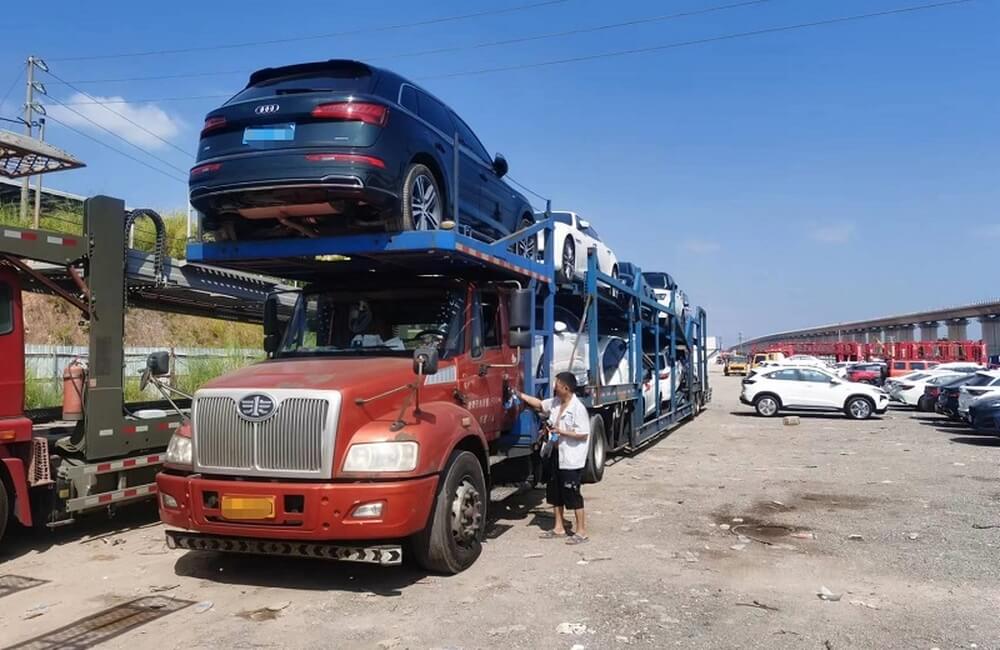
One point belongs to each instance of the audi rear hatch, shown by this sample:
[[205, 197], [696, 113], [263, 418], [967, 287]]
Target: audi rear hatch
[[321, 106]]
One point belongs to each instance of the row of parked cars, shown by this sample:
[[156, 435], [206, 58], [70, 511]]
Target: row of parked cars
[[330, 147], [962, 393]]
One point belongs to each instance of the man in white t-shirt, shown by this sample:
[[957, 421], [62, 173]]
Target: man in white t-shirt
[[569, 430]]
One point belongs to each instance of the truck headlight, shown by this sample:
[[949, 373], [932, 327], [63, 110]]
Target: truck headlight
[[179, 452], [382, 457]]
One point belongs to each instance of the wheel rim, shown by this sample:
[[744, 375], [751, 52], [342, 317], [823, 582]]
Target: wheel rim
[[466, 514], [425, 203], [767, 406], [527, 247], [568, 260], [860, 409]]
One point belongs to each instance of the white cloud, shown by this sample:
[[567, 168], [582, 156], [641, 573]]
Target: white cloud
[[701, 247], [835, 233], [151, 117]]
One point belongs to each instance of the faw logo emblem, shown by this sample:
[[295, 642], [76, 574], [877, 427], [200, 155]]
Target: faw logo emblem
[[256, 407], [266, 109]]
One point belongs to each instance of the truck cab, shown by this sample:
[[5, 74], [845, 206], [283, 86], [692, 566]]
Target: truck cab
[[376, 413]]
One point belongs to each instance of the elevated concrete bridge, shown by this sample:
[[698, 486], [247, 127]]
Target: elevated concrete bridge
[[919, 326]]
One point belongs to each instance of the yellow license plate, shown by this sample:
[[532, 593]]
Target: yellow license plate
[[236, 507]]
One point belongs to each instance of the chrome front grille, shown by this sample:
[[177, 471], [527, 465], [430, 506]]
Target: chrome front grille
[[296, 441]]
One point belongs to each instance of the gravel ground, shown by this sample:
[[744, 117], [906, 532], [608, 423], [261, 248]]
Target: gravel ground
[[720, 536]]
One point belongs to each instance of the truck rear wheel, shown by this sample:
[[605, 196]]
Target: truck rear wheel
[[453, 538], [593, 471]]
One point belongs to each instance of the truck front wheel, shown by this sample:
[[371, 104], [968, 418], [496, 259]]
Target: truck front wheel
[[453, 538], [4, 507]]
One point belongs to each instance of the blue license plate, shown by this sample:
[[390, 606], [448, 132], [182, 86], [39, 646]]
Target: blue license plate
[[269, 133]]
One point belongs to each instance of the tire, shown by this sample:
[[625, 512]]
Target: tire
[[4, 508], [446, 548], [422, 204], [767, 405], [529, 247], [597, 448], [568, 260], [859, 408]]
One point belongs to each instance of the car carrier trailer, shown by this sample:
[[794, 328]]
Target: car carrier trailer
[[365, 455], [107, 452]]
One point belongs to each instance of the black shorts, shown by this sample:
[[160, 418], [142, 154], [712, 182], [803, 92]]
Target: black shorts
[[563, 489]]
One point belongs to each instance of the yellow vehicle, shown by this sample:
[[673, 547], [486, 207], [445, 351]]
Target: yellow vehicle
[[761, 358], [736, 364]]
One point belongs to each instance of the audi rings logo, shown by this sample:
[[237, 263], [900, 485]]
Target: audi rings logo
[[267, 109], [256, 407]]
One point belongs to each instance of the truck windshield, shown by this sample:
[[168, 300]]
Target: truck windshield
[[390, 322]]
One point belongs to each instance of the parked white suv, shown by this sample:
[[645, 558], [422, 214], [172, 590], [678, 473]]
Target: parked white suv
[[806, 388]]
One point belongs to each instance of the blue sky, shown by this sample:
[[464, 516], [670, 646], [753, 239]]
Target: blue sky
[[789, 179]]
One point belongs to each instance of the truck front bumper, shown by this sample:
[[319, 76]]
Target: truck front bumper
[[301, 512], [384, 554]]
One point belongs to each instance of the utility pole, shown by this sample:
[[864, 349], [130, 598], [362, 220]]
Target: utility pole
[[38, 182], [29, 98], [30, 108]]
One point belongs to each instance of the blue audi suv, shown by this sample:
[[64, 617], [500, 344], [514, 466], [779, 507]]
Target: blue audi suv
[[337, 146]]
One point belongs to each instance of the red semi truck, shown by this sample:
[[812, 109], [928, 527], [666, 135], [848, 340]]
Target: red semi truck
[[383, 419]]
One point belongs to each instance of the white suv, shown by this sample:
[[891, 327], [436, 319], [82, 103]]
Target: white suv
[[804, 388]]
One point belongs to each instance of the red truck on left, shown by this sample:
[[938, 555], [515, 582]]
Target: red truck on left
[[97, 451]]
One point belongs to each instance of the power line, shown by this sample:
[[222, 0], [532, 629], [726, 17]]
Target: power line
[[701, 41], [461, 48], [296, 39], [185, 98], [12, 84], [117, 150], [581, 30], [123, 139], [618, 53], [124, 117]]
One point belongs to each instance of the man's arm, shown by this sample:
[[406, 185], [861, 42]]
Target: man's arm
[[531, 401]]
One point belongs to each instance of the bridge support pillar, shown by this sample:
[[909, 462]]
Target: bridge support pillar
[[958, 329], [929, 331], [904, 333], [991, 334]]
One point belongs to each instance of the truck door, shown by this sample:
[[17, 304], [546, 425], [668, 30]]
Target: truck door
[[11, 347], [482, 384]]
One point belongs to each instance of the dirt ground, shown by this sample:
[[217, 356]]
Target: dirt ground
[[720, 536]]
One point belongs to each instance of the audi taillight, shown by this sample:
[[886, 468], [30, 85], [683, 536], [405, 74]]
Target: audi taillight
[[374, 114], [213, 123], [206, 169], [346, 158]]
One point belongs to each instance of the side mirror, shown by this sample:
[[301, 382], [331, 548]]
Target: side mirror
[[520, 318], [836, 382], [271, 343], [500, 167], [272, 326], [425, 360], [158, 364], [559, 327], [584, 224]]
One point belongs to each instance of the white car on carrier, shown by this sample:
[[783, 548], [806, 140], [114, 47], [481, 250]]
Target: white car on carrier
[[572, 237], [806, 388]]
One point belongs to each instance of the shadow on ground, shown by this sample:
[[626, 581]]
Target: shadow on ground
[[90, 529], [984, 441]]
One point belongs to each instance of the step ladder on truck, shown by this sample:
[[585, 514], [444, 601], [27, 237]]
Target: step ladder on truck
[[383, 421], [97, 451]]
